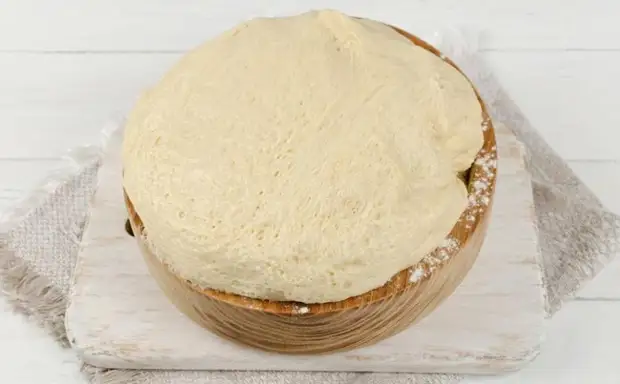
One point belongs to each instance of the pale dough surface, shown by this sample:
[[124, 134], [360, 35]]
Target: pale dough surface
[[306, 158]]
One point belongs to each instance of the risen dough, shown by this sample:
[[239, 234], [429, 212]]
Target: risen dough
[[306, 158]]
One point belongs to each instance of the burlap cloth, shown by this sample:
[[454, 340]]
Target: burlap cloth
[[40, 238]]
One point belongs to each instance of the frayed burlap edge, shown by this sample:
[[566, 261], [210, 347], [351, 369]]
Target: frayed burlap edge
[[32, 295], [28, 292], [113, 376]]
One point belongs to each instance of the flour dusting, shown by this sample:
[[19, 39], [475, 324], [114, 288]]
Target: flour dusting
[[483, 174], [300, 310]]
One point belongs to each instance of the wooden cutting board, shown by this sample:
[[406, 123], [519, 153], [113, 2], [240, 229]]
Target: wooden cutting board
[[494, 322]]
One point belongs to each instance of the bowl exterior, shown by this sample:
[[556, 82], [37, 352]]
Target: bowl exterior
[[298, 328], [315, 333]]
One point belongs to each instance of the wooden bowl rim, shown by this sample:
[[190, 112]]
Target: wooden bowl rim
[[401, 280]]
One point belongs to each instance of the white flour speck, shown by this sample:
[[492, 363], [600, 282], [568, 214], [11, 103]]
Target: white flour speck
[[416, 274], [478, 198], [472, 200], [485, 125], [480, 185], [300, 310], [450, 244]]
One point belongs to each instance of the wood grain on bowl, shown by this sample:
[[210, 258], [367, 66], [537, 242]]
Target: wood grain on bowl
[[362, 320]]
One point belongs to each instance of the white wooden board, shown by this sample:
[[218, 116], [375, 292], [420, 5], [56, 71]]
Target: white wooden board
[[494, 322]]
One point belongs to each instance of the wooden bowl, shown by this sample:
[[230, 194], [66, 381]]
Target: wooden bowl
[[298, 328]]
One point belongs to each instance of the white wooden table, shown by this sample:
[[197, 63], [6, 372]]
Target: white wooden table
[[67, 66]]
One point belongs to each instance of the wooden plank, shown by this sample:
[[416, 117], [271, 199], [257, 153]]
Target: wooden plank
[[21, 177], [161, 25], [52, 130], [37, 79], [58, 102], [605, 285], [581, 347], [54, 102], [563, 95], [28, 346]]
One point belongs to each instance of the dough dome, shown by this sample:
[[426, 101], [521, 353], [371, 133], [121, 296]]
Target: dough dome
[[306, 158]]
